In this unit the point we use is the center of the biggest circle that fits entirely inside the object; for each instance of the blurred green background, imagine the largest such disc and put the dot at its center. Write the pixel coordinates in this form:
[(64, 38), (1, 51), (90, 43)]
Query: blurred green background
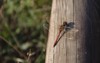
[(23, 30)]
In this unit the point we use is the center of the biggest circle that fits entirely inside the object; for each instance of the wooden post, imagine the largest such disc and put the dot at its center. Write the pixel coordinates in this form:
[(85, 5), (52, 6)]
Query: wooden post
[(72, 46)]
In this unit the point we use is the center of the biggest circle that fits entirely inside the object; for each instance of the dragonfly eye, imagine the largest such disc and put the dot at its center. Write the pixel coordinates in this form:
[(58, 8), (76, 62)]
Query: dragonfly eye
[(64, 23)]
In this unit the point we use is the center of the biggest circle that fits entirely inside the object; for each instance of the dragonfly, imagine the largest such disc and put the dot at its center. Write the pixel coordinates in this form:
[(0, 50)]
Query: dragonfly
[(62, 30)]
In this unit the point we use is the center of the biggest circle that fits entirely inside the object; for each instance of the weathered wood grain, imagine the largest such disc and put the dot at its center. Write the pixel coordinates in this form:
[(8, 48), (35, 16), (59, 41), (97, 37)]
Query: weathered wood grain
[(71, 48)]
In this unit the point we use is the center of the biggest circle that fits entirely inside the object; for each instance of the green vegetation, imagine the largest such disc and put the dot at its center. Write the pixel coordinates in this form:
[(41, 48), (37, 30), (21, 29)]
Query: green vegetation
[(22, 35)]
